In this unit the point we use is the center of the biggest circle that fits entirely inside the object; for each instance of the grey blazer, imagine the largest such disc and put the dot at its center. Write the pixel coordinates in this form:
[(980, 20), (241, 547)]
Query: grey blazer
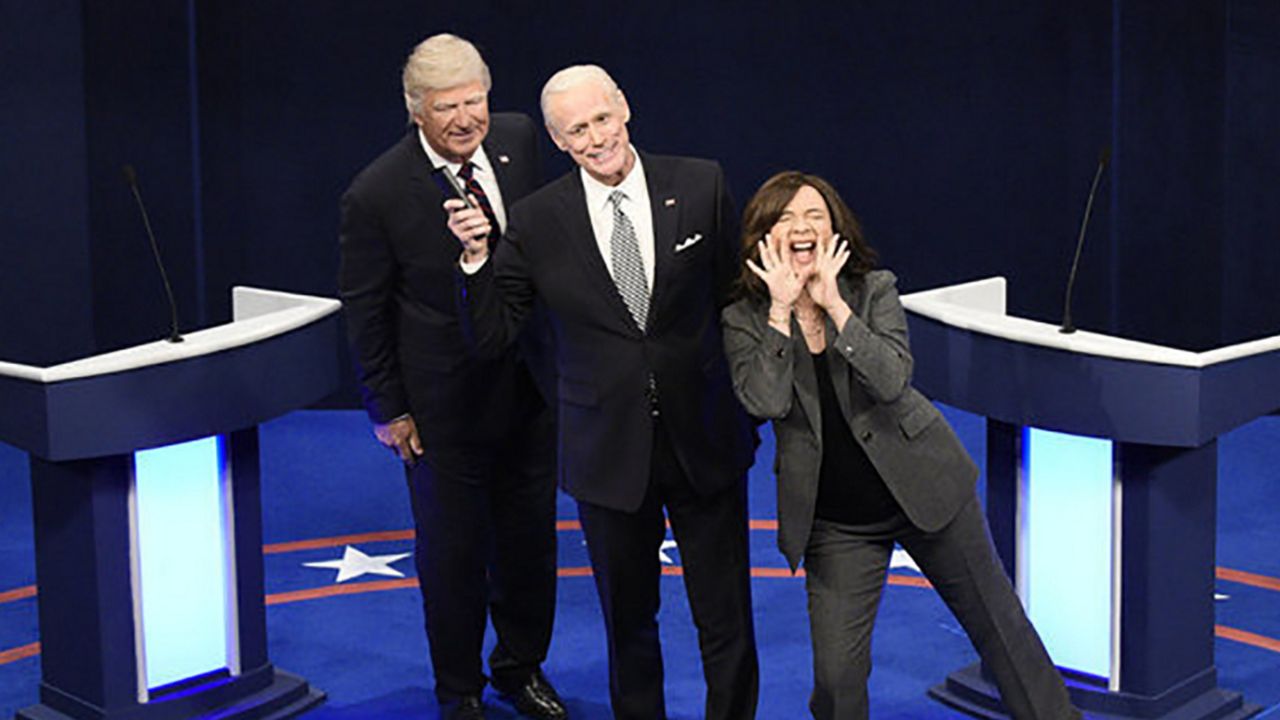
[(916, 452)]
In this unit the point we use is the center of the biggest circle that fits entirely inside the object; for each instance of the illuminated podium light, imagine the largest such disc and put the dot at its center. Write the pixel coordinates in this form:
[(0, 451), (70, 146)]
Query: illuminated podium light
[(1067, 540), (183, 565)]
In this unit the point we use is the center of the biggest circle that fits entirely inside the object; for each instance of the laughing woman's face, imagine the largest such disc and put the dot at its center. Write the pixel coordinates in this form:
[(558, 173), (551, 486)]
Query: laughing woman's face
[(803, 228)]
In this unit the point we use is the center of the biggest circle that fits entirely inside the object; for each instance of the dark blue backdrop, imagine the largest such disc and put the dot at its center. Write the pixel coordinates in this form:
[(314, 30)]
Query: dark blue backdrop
[(965, 134)]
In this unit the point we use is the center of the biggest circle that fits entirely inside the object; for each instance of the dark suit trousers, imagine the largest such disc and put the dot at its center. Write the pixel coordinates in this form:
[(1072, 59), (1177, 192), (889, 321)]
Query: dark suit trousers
[(711, 533), (486, 548), (845, 575)]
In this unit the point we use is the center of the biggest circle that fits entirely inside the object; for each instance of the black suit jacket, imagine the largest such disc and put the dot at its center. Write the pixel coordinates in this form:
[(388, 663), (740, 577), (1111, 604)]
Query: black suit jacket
[(397, 285), (603, 360)]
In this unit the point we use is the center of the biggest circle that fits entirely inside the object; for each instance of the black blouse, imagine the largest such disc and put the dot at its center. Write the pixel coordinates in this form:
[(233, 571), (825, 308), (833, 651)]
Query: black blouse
[(850, 490)]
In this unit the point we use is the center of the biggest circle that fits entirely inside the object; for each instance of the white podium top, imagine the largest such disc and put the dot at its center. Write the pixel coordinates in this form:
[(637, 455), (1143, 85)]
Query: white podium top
[(979, 306), (257, 313)]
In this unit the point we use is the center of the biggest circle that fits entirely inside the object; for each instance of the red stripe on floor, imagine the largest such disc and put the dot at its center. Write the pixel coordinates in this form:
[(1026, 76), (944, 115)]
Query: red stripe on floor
[(1248, 578), (1246, 637), (337, 590), (561, 525), (284, 547), (19, 653), (21, 593)]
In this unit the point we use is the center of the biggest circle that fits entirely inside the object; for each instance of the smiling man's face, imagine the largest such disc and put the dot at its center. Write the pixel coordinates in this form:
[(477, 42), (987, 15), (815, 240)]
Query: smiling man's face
[(455, 120), (589, 122)]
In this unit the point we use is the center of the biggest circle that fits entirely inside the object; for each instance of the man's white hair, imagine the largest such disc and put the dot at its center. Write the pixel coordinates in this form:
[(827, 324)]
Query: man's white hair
[(438, 63), (574, 76)]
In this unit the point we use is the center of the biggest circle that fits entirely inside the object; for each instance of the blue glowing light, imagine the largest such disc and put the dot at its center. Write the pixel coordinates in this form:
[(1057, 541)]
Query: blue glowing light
[(1066, 534), (182, 560)]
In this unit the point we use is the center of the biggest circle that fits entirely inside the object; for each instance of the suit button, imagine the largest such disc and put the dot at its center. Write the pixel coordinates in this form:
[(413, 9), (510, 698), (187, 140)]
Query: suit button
[(782, 352), (866, 436)]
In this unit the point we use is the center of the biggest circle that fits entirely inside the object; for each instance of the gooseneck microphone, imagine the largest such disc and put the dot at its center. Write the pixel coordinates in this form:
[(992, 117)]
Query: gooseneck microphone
[(1104, 159), (131, 177)]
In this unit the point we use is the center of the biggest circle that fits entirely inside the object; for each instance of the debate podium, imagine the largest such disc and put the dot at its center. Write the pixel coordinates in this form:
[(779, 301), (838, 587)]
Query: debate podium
[(1102, 464), (148, 528)]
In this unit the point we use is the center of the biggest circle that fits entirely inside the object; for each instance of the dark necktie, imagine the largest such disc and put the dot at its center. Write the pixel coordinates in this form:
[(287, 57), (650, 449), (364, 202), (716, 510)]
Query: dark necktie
[(627, 263), (467, 175)]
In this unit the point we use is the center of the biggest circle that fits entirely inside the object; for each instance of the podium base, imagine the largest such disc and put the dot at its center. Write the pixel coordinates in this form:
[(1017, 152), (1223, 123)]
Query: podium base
[(286, 696), (969, 692)]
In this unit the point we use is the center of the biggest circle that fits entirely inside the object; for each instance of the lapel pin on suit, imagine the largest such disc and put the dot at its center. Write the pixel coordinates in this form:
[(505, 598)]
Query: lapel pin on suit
[(669, 202), (504, 159)]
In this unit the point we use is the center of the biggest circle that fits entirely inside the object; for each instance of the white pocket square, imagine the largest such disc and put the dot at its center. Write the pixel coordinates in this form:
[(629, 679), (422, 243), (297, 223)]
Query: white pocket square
[(689, 242)]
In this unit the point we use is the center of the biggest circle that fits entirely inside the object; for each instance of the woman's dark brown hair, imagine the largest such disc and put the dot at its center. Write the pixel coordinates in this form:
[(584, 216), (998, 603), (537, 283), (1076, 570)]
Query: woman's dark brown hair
[(766, 206)]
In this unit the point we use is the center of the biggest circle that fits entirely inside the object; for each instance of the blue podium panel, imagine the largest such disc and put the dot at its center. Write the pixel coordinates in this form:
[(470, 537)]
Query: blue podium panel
[(183, 570), (1065, 571)]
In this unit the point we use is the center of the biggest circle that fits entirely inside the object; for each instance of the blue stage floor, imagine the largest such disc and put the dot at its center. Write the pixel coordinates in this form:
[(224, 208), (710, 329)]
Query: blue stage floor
[(327, 485)]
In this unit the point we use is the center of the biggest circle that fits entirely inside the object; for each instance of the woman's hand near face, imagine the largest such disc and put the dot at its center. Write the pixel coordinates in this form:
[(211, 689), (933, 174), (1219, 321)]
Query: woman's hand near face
[(784, 283), (822, 284)]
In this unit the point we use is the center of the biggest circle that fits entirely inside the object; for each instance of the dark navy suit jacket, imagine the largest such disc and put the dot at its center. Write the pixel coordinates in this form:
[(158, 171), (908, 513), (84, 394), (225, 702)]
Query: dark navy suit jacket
[(603, 361)]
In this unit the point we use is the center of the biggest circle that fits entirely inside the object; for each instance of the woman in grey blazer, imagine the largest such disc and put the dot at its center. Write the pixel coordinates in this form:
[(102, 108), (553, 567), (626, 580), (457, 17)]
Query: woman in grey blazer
[(817, 343)]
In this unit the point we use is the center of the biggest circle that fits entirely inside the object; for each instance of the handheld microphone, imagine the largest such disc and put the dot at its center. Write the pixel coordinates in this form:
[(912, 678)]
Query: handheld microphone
[(456, 186), (1104, 159), (131, 177)]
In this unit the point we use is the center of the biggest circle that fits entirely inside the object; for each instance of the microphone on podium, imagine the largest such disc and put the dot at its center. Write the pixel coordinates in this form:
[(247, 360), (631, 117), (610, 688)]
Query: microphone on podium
[(1104, 159), (131, 177)]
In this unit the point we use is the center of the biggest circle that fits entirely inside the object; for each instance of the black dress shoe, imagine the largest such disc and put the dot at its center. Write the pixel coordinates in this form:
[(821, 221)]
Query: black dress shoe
[(467, 708), (534, 697)]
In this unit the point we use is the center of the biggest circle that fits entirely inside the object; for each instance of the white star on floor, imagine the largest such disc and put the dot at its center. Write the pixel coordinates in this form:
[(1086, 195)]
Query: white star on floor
[(901, 559), (662, 552), (355, 563)]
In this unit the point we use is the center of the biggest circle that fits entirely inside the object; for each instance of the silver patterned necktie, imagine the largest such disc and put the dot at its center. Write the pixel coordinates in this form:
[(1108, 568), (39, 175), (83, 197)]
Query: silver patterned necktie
[(626, 262)]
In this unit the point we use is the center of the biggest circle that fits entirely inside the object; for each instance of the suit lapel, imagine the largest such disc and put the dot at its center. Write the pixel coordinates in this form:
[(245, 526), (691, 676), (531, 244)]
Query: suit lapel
[(841, 372), (500, 162), (579, 234), (664, 205), (841, 376), (423, 187), (806, 379)]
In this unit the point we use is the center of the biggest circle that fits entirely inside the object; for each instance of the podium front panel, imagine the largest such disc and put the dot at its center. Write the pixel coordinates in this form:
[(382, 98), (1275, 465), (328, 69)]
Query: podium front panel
[(1066, 543), (183, 563)]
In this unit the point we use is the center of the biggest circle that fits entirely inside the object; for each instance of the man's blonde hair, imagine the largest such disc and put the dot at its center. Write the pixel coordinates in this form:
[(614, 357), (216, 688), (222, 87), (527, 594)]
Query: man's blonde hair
[(440, 62)]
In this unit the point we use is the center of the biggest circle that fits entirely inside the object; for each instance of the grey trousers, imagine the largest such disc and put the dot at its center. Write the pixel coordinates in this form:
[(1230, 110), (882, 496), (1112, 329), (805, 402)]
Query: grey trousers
[(845, 570)]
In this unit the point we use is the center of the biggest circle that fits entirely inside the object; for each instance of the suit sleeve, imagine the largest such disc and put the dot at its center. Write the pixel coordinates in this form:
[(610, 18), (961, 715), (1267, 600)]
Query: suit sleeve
[(495, 301), (761, 362), (876, 347), (366, 283)]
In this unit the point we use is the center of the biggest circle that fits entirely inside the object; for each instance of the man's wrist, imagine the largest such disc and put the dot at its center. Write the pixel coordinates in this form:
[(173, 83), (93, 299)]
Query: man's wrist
[(472, 264)]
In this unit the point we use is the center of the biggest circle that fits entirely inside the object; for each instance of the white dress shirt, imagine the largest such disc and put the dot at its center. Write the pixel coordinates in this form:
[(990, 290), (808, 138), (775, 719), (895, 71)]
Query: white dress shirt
[(637, 209), (483, 174)]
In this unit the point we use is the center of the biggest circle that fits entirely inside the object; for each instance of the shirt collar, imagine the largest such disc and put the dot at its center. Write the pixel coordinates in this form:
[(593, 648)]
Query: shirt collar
[(478, 158), (633, 185)]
